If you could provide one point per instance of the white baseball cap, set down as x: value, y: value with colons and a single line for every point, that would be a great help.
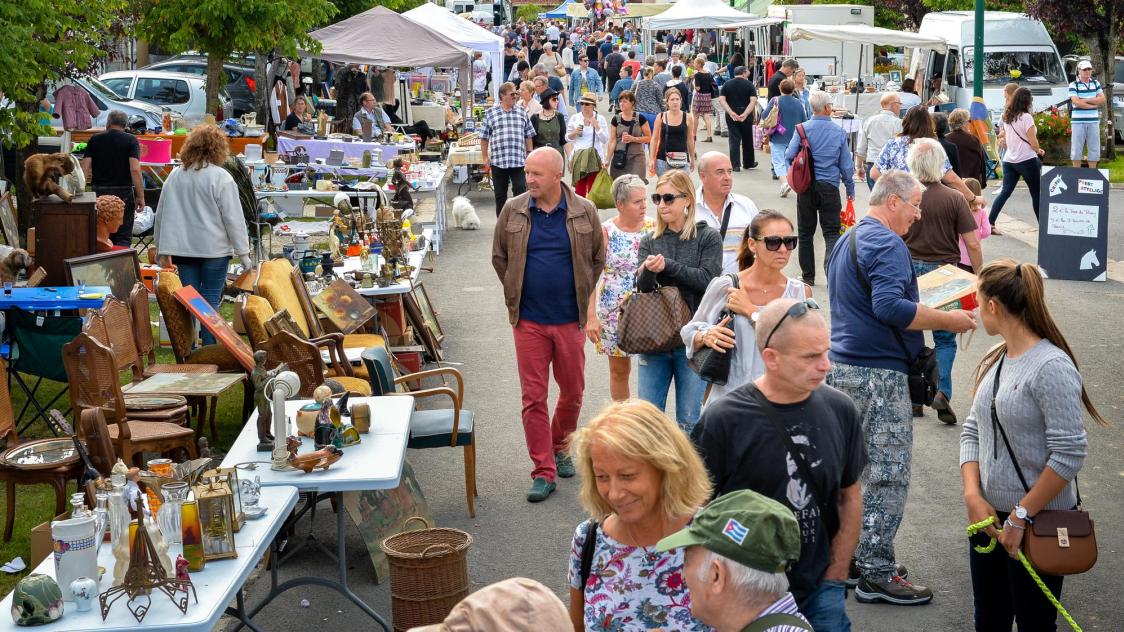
x: 1084, y: 64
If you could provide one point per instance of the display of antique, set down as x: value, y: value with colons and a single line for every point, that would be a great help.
x: 192, y: 536
x: 320, y: 459
x: 144, y: 575
x: 251, y: 497
x: 229, y: 477
x: 261, y: 376
x: 75, y: 547
x: 37, y: 600
x: 215, y: 502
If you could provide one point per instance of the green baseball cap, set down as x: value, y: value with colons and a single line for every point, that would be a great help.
x: 746, y: 527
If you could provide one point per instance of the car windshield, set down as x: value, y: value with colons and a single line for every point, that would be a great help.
x: 1119, y: 77
x: 103, y: 90
x: 1024, y: 67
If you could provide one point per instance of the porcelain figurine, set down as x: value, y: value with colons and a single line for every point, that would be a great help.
x: 181, y: 568
x: 251, y: 497
x: 85, y: 591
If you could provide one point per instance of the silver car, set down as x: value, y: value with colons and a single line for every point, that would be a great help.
x: 183, y: 93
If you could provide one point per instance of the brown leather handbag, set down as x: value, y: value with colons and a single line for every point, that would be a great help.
x: 650, y: 321
x: 1059, y: 541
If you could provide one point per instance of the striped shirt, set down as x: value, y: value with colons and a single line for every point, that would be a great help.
x: 1083, y: 90
x: 786, y: 605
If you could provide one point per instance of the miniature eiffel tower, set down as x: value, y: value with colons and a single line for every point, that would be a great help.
x: 145, y: 574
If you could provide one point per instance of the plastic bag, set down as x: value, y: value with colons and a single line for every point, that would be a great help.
x: 601, y: 193
x: 143, y: 220
x: 847, y: 217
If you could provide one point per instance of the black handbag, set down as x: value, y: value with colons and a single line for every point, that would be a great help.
x: 924, y: 372
x: 712, y: 366
x: 620, y: 154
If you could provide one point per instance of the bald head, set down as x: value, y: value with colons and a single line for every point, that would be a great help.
x: 544, y: 173
x: 547, y: 157
x: 774, y: 313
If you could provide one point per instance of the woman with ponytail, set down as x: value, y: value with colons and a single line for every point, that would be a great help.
x: 1038, y: 404
x: 766, y: 247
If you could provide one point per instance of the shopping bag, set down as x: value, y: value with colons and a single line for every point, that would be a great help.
x: 847, y: 217
x: 601, y: 193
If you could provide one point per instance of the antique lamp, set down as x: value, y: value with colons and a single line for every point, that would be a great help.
x: 285, y: 385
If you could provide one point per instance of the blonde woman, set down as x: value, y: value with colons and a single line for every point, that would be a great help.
x: 527, y: 99
x: 684, y: 254
x: 673, y: 137
x: 641, y: 480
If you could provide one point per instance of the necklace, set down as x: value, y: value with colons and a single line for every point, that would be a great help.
x: 649, y: 555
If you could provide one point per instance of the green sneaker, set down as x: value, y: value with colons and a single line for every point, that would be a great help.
x: 565, y: 464
x: 540, y: 489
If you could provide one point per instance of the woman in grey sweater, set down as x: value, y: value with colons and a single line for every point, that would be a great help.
x: 684, y: 254
x: 1038, y: 402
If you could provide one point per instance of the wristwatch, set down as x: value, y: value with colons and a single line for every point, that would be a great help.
x: 1022, y: 514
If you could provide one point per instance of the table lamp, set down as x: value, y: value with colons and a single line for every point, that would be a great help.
x: 283, y: 386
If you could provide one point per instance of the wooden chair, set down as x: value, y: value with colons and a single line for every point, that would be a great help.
x: 304, y: 359
x: 146, y: 344
x: 181, y: 330
x: 92, y: 376
x: 56, y: 477
x: 255, y: 311
x: 432, y: 428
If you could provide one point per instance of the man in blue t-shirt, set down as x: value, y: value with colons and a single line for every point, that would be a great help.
x: 1085, y: 96
x: 875, y: 312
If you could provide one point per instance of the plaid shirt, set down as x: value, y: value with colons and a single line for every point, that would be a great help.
x: 507, y: 132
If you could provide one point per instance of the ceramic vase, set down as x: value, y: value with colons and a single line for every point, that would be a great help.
x: 84, y: 591
x: 171, y: 521
x: 75, y: 548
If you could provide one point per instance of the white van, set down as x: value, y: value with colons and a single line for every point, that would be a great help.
x: 1016, y: 49
x: 822, y: 58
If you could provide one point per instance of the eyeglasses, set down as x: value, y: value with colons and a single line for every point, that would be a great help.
x: 916, y: 208
x: 666, y: 198
x: 796, y: 311
x: 773, y: 243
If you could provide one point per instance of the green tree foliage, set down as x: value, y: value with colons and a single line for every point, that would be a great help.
x: 221, y: 27
x: 348, y: 8
x: 529, y: 12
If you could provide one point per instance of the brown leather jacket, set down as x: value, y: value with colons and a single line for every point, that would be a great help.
x: 509, y: 248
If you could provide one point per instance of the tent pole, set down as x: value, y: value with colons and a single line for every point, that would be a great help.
x: 862, y: 48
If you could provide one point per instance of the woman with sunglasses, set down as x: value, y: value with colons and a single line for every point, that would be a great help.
x: 1037, y: 404
x: 673, y: 137
x: 550, y: 126
x: 726, y: 318
x: 588, y: 131
x: 684, y: 254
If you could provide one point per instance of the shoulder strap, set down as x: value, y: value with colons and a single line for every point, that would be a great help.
x: 798, y: 458
x: 853, y: 247
x: 777, y: 619
x: 588, y: 548
x: 726, y: 223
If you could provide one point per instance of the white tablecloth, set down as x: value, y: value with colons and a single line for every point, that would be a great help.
x: 320, y: 148
x: 869, y: 103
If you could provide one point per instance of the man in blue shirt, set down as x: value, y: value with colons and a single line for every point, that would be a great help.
x: 832, y: 164
x: 1086, y: 97
x: 871, y: 366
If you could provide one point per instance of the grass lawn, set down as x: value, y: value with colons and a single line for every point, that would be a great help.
x: 1115, y: 167
x: 35, y: 503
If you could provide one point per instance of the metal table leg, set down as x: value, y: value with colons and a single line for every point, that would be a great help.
x: 239, y: 612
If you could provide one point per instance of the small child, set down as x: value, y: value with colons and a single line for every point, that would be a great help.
x: 983, y: 226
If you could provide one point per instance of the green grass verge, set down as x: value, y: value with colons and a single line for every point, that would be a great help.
x: 35, y: 503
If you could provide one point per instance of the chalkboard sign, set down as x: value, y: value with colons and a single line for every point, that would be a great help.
x: 1073, y: 223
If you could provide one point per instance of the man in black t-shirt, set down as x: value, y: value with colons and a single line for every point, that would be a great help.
x: 787, y: 69
x: 740, y: 438
x: 738, y: 99
x: 112, y: 164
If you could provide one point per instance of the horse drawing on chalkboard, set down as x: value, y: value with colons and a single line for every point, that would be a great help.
x: 1090, y: 260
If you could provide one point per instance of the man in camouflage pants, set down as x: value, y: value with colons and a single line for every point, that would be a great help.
x: 876, y: 326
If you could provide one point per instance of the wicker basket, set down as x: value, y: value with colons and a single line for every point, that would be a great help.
x: 428, y: 573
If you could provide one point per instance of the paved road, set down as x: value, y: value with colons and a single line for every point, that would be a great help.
x: 513, y: 537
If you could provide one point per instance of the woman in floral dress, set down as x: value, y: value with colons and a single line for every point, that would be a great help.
x: 641, y: 480
x: 622, y: 242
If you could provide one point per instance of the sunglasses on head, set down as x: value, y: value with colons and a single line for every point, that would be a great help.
x: 796, y: 311
x: 666, y: 198
x: 773, y: 243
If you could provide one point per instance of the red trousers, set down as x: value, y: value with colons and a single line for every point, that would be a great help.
x: 537, y: 347
x: 582, y: 187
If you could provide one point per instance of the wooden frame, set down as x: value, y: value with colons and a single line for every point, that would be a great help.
x: 8, y: 219
x: 209, y: 317
x: 119, y: 269
x: 343, y: 306
x: 416, y: 318
x: 428, y: 313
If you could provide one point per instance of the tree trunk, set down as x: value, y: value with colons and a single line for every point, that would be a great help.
x: 215, y: 83
x: 1101, y: 47
x: 261, y: 87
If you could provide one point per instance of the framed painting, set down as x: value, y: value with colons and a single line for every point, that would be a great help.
x: 428, y: 313
x: 347, y: 310
x: 8, y: 220
x: 217, y: 325
x: 119, y: 269
x: 416, y: 319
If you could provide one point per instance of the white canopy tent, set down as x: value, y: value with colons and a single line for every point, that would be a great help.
x: 465, y: 33
x: 382, y: 37
x: 862, y: 34
x: 696, y: 14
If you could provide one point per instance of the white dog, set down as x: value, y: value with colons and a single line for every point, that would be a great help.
x: 464, y: 215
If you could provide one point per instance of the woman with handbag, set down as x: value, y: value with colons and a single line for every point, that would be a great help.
x: 1023, y: 157
x: 1022, y: 444
x: 683, y: 254
x: 673, y: 137
x: 588, y: 132
x: 790, y: 113
x: 630, y: 133
x: 724, y: 322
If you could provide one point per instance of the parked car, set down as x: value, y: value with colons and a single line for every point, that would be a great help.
x: 106, y: 99
x: 240, y: 82
x: 183, y: 93
x: 1118, y: 99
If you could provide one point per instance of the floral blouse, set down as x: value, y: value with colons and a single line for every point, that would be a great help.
x: 894, y: 153
x: 618, y: 280
x: 632, y: 588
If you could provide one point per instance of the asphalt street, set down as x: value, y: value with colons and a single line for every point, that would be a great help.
x: 515, y: 538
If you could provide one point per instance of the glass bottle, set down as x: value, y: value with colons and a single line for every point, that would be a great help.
x: 171, y: 521
x: 119, y: 517
x: 101, y: 512
x: 192, y: 536
x: 78, y: 507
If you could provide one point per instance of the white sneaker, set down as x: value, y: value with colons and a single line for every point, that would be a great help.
x: 785, y: 189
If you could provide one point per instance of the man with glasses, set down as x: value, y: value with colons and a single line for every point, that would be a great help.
x: 790, y: 437
x: 876, y: 131
x: 584, y: 80
x: 505, y: 141
x: 876, y: 325
x: 721, y: 208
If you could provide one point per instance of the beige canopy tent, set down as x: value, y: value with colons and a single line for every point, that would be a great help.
x: 381, y: 37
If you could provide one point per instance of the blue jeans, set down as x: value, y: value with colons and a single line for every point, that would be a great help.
x: 869, y: 180
x: 655, y: 375
x: 776, y: 156
x: 826, y: 608
x: 207, y: 276
x: 944, y: 342
x: 1031, y: 170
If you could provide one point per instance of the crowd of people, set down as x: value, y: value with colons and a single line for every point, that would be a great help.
x: 806, y: 445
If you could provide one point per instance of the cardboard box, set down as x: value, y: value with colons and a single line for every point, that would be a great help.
x: 41, y: 543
